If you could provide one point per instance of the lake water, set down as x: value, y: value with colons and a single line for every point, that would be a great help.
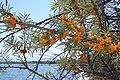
x: 22, y: 74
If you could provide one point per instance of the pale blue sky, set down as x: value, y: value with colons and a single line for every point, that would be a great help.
x: 39, y: 9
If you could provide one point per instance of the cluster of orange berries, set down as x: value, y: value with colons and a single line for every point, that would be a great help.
x: 103, y: 44
x: 114, y: 47
x: 77, y: 29
x: 12, y: 21
x: 65, y: 20
x: 47, y: 38
x: 51, y: 39
x: 78, y: 33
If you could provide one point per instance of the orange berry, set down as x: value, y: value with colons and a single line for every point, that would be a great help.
x: 101, y: 40
x: 81, y: 27
x: 43, y: 42
x: 99, y: 47
x: 58, y: 36
x: 84, y: 58
x: 71, y: 21
x: 74, y: 29
x: 65, y: 22
x: 94, y: 37
x: 90, y: 44
x: 63, y: 17
x: 66, y: 34
x: 13, y: 22
x: 93, y: 11
x: 52, y: 41
x: 108, y: 40
x: 22, y: 26
x: 78, y: 34
x: 112, y: 48
x: 119, y: 53
x: 79, y: 39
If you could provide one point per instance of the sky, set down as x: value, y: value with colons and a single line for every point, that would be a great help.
x: 39, y: 10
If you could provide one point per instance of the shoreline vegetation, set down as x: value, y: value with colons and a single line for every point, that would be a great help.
x: 29, y: 62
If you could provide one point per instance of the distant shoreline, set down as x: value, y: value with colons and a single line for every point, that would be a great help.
x: 30, y: 62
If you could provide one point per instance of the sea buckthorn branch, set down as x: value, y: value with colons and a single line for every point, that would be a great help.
x: 35, y: 26
x: 39, y: 60
x: 14, y: 20
x: 22, y: 24
x: 29, y: 25
x: 97, y: 14
x: 58, y: 55
x: 22, y: 27
x: 109, y: 68
x: 31, y: 70
x: 2, y: 39
x: 117, y: 30
x: 6, y: 2
x: 39, y: 23
x: 64, y: 75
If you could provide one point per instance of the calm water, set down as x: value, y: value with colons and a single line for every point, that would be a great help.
x: 22, y: 74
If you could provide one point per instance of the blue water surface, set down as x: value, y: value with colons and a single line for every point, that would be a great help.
x: 22, y: 74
